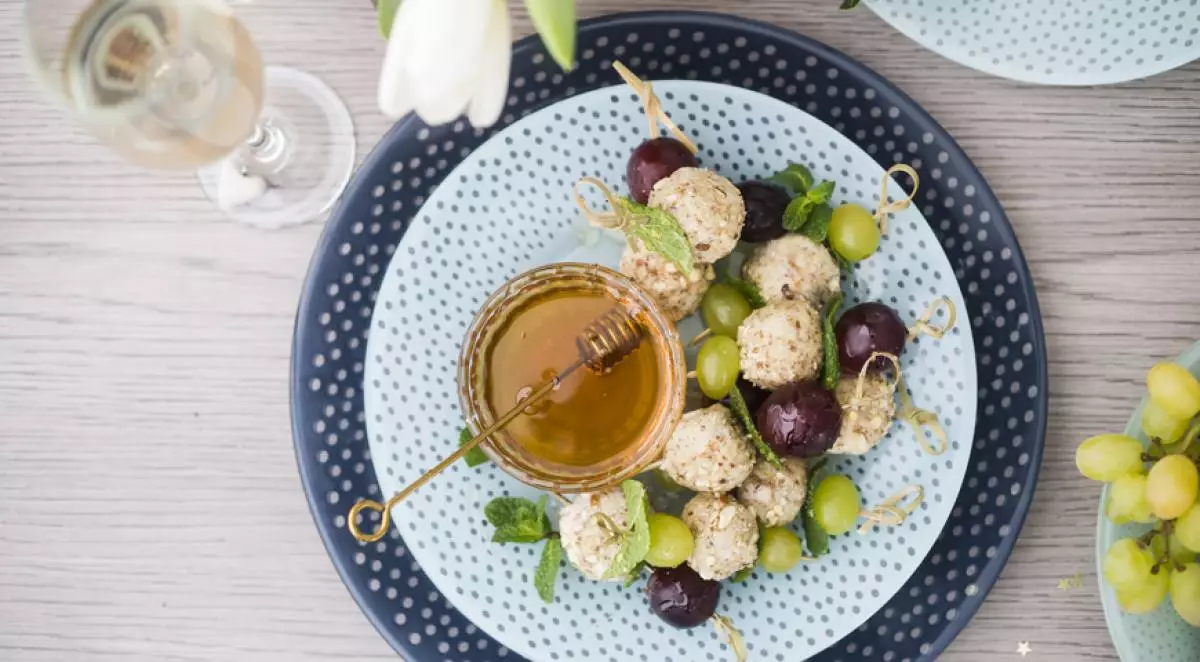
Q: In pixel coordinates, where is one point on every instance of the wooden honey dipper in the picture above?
(602, 344)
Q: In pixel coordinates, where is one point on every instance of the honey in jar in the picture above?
(593, 429)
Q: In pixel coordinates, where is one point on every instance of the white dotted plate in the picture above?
(1161, 635)
(1054, 42)
(507, 208)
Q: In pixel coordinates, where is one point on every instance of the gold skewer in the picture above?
(603, 343)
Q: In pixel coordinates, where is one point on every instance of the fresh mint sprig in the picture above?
(660, 232)
(519, 520)
(742, 411)
(831, 369)
(475, 456)
(635, 541)
(800, 209)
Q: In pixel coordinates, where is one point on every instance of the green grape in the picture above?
(853, 232)
(724, 309)
(1127, 565)
(1107, 457)
(836, 504)
(1185, 593)
(779, 549)
(1187, 528)
(1161, 424)
(670, 541)
(717, 366)
(1171, 486)
(1179, 552)
(1147, 596)
(1127, 500)
(1174, 389)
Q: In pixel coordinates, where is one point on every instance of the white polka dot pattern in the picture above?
(507, 208)
(1059, 42)
(412, 160)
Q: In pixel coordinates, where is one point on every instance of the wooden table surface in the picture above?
(149, 502)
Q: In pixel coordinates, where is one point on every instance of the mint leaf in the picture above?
(635, 544)
(555, 22)
(849, 4)
(843, 263)
(547, 569)
(796, 177)
(633, 576)
(660, 232)
(743, 413)
(517, 519)
(387, 15)
(831, 369)
(821, 193)
(475, 456)
(795, 216)
(742, 575)
(798, 212)
(815, 537)
(817, 227)
(748, 290)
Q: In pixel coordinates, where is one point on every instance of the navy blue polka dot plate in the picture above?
(329, 351)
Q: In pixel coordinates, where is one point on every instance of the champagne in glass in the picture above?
(180, 84)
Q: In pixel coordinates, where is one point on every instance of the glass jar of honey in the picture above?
(594, 430)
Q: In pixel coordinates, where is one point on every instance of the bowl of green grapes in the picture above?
(1148, 535)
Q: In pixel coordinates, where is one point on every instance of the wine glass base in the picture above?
(314, 136)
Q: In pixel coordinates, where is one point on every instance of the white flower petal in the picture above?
(442, 106)
(491, 88)
(396, 91)
(447, 43)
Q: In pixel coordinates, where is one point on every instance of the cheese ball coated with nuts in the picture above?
(866, 420)
(775, 495)
(793, 267)
(587, 538)
(677, 294)
(708, 452)
(726, 535)
(708, 207)
(780, 344)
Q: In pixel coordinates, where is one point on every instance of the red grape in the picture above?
(801, 419)
(654, 160)
(765, 204)
(865, 329)
(681, 597)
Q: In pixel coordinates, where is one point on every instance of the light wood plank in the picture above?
(144, 343)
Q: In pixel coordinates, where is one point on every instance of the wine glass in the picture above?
(179, 84)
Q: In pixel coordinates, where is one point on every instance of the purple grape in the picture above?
(654, 160)
(681, 597)
(765, 203)
(867, 328)
(801, 420)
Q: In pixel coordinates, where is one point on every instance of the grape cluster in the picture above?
(1145, 570)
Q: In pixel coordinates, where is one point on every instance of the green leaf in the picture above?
(660, 232)
(796, 177)
(798, 212)
(475, 456)
(849, 4)
(555, 22)
(748, 290)
(517, 519)
(635, 544)
(743, 413)
(831, 369)
(795, 216)
(843, 263)
(547, 569)
(821, 193)
(817, 227)
(633, 576)
(387, 15)
(815, 537)
(742, 575)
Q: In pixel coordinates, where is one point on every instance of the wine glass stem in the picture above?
(268, 148)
